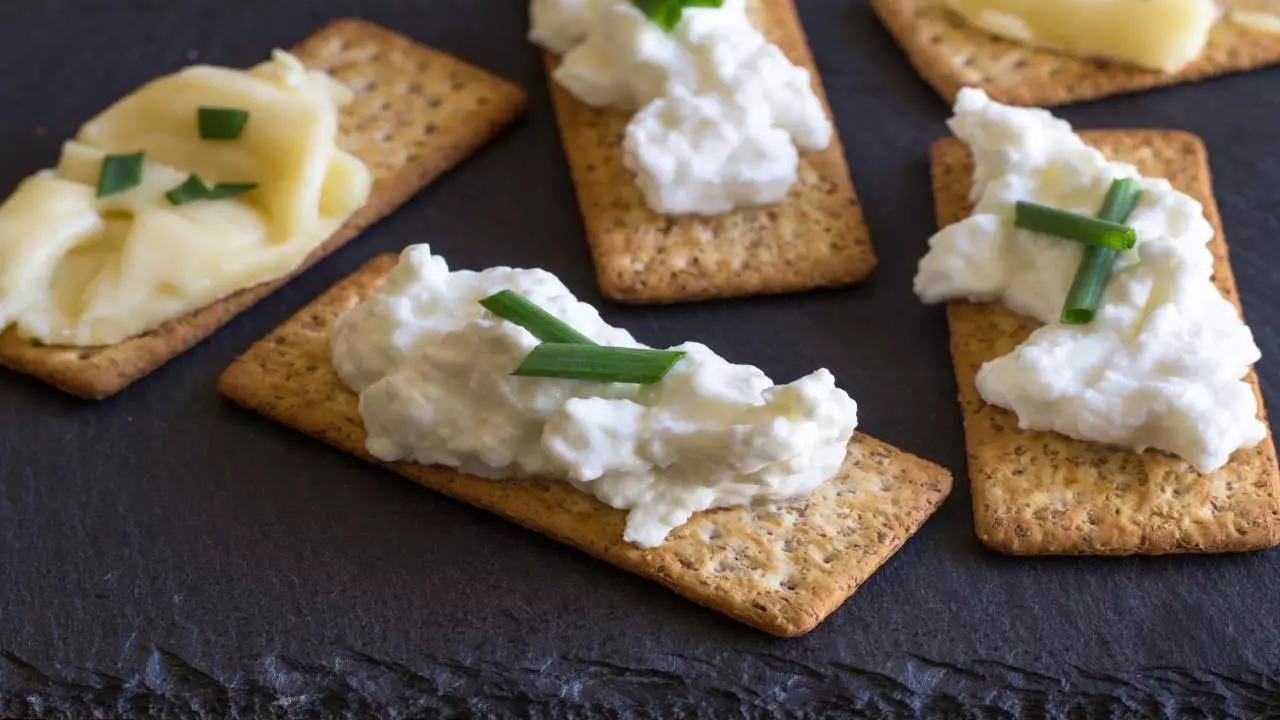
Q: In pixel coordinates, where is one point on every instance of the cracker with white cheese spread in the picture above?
(1041, 493)
(781, 568)
(951, 55)
(416, 113)
(815, 238)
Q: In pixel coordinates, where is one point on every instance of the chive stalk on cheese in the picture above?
(1095, 268)
(219, 123)
(516, 308)
(193, 188)
(567, 361)
(120, 173)
(667, 14)
(1073, 226)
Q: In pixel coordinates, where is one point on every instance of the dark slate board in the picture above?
(166, 554)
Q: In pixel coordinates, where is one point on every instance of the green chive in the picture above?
(667, 14)
(1095, 268)
(594, 362)
(119, 173)
(514, 307)
(226, 190)
(193, 188)
(1071, 226)
(217, 123)
(1122, 198)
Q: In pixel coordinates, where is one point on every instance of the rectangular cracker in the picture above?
(417, 112)
(951, 55)
(815, 238)
(781, 569)
(1041, 493)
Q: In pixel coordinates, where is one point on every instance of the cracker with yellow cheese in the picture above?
(1040, 493)
(951, 54)
(781, 568)
(415, 113)
(816, 237)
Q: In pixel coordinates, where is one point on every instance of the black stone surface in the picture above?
(166, 554)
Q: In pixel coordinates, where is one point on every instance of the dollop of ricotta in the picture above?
(433, 370)
(722, 111)
(1162, 364)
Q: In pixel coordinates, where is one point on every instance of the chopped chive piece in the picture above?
(516, 308)
(119, 173)
(1088, 286)
(1122, 198)
(1072, 226)
(667, 14)
(595, 362)
(193, 188)
(218, 123)
(226, 190)
(1095, 268)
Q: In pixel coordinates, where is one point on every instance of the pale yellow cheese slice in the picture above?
(1159, 35)
(80, 270)
(1258, 21)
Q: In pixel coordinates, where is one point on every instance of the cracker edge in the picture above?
(103, 371)
(242, 380)
(1005, 540)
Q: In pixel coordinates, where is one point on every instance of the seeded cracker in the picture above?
(816, 237)
(1040, 493)
(780, 569)
(951, 54)
(417, 112)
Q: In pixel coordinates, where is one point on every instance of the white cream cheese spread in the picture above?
(76, 269)
(433, 370)
(1162, 364)
(722, 111)
(1162, 35)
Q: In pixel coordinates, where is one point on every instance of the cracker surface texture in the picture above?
(417, 112)
(951, 55)
(1041, 493)
(779, 568)
(815, 238)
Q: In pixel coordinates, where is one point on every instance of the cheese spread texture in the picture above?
(76, 269)
(721, 110)
(1159, 35)
(1162, 364)
(433, 370)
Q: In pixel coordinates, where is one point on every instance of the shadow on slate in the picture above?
(164, 554)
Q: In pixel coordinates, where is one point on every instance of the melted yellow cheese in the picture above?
(80, 270)
(1161, 35)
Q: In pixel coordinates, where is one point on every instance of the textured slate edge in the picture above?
(354, 685)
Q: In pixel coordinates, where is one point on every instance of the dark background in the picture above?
(164, 552)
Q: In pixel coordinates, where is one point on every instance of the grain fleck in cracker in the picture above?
(780, 568)
(815, 238)
(1041, 493)
(416, 113)
(951, 55)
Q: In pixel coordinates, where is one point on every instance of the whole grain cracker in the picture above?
(951, 54)
(816, 237)
(416, 113)
(1040, 493)
(780, 568)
